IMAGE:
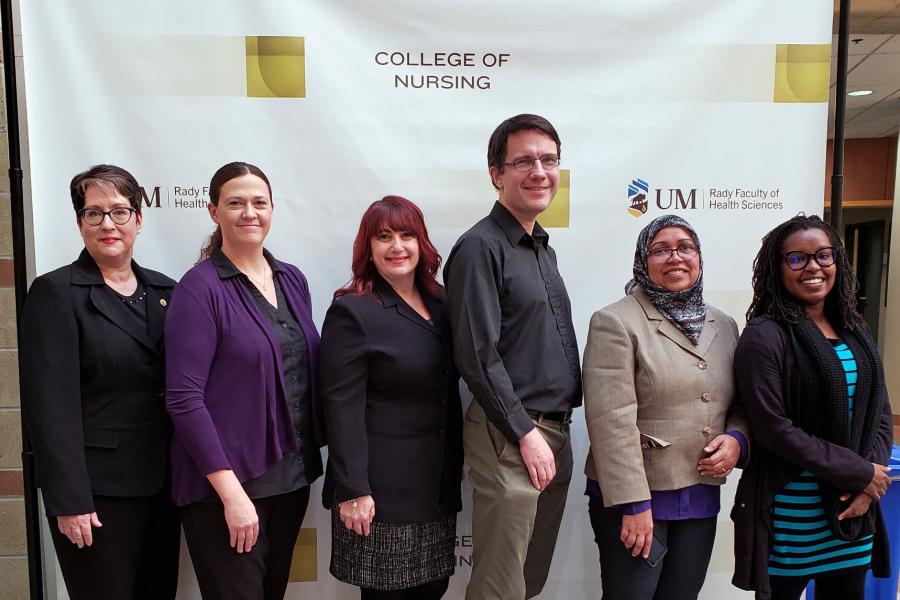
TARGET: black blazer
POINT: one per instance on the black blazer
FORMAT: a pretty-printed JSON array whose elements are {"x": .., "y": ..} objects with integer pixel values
[
  {"x": 393, "y": 417},
  {"x": 93, "y": 388}
]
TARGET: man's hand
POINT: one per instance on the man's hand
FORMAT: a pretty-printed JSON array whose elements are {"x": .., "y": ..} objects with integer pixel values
[{"x": 538, "y": 459}]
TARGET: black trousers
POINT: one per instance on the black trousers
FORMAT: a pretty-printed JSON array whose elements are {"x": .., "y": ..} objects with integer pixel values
[
  {"x": 433, "y": 590},
  {"x": 134, "y": 554},
  {"x": 846, "y": 586},
  {"x": 680, "y": 574},
  {"x": 262, "y": 573}
]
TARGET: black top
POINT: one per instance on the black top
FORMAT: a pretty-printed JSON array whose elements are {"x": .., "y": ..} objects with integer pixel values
[
  {"x": 135, "y": 305},
  {"x": 299, "y": 469},
  {"x": 92, "y": 379},
  {"x": 392, "y": 409},
  {"x": 513, "y": 337}
]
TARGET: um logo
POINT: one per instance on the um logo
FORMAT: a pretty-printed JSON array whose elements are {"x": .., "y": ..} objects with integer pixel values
[
  {"x": 151, "y": 201},
  {"x": 637, "y": 197},
  {"x": 667, "y": 199},
  {"x": 676, "y": 199}
]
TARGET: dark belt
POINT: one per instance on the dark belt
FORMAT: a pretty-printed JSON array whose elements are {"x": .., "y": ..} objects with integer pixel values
[{"x": 556, "y": 417}]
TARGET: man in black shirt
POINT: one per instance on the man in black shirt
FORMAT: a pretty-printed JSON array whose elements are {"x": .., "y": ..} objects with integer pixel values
[{"x": 515, "y": 347}]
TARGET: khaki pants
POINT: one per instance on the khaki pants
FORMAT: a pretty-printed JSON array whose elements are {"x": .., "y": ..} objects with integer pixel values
[{"x": 514, "y": 526}]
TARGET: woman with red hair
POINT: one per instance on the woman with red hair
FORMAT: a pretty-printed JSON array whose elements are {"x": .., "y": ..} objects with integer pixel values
[{"x": 392, "y": 411}]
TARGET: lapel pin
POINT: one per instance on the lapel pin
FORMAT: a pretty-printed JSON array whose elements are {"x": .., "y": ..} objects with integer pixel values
[{"x": 162, "y": 301}]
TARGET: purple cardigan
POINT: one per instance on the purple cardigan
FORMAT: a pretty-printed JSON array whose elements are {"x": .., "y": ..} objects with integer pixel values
[{"x": 224, "y": 378}]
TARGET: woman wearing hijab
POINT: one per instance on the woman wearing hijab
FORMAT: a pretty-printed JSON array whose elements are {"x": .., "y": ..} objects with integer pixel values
[
  {"x": 809, "y": 374},
  {"x": 664, "y": 429}
]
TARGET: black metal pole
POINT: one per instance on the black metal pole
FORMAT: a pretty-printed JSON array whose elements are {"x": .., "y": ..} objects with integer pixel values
[
  {"x": 32, "y": 518},
  {"x": 840, "y": 105}
]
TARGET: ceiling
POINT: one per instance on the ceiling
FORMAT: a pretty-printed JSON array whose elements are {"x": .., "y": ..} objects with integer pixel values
[{"x": 873, "y": 64}]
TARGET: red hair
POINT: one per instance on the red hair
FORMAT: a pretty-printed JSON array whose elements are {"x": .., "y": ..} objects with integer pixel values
[{"x": 397, "y": 214}]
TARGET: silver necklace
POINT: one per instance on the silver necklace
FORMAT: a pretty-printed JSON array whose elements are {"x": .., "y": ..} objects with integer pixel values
[
  {"x": 130, "y": 300},
  {"x": 260, "y": 284}
]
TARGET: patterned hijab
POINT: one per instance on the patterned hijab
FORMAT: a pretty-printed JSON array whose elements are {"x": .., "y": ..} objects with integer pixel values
[{"x": 685, "y": 309}]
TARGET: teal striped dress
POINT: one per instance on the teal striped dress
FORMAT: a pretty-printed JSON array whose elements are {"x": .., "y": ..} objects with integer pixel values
[{"x": 803, "y": 544}]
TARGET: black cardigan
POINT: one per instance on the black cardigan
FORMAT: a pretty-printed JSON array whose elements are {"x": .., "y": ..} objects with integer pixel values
[{"x": 768, "y": 380}]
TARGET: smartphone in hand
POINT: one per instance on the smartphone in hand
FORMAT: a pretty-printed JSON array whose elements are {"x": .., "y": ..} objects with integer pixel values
[{"x": 657, "y": 552}]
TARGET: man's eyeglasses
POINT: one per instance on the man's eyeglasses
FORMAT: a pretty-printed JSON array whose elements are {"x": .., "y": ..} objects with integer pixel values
[
  {"x": 798, "y": 259},
  {"x": 661, "y": 254},
  {"x": 525, "y": 164},
  {"x": 94, "y": 216}
]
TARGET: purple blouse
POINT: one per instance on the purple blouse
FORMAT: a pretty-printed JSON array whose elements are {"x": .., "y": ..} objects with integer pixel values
[{"x": 699, "y": 501}]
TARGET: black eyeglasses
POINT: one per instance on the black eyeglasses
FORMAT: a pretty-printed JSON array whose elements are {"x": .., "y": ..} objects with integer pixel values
[
  {"x": 686, "y": 251},
  {"x": 525, "y": 164},
  {"x": 94, "y": 216},
  {"x": 798, "y": 259}
]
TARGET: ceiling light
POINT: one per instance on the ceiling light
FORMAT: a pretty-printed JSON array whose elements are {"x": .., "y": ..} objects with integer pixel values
[{"x": 860, "y": 93}]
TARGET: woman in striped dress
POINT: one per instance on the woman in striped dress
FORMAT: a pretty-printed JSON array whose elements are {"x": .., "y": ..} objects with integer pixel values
[{"x": 812, "y": 383}]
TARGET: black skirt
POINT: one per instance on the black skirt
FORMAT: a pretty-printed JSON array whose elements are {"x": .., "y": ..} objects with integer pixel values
[{"x": 394, "y": 556}]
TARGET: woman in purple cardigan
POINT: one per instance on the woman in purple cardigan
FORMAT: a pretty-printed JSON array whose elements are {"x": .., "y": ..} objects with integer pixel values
[{"x": 241, "y": 389}]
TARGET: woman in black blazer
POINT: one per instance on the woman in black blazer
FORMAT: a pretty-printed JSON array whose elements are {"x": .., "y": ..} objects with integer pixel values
[
  {"x": 393, "y": 415},
  {"x": 92, "y": 358},
  {"x": 812, "y": 382}
]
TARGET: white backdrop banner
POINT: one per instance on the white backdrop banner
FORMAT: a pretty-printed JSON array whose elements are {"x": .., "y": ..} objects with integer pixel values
[{"x": 712, "y": 109}]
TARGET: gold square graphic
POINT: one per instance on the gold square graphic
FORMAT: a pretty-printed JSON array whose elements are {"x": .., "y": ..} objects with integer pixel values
[
  {"x": 557, "y": 215},
  {"x": 802, "y": 72},
  {"x": 276, "y": 66},
  {"x": 304, "y": 564}
]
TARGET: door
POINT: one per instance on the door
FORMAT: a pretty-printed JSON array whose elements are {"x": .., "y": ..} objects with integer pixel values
[{"x": 865, "y": 245}]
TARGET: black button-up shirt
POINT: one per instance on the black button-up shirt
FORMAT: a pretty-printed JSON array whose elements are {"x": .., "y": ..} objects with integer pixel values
[
  {"x": 513, "y": 338},
  {"x": 293, "y": 471}
]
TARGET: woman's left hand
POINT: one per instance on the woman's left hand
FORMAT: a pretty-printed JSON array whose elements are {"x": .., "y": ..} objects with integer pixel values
[
  {"x": 724, "y": 452},
  {"x": 857, "y": 508}
]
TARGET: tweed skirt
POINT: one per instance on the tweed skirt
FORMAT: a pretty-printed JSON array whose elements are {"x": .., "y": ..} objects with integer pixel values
[{"x": 394, "y": 556}]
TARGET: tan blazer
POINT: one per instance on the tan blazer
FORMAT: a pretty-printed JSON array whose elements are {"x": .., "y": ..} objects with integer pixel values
[{"x": 643, "y": 376}]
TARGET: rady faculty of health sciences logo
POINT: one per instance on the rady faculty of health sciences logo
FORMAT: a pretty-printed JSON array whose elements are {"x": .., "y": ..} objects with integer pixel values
[
  {"x": 712, "y": 198},
  {"x": 637, "y": 197}
]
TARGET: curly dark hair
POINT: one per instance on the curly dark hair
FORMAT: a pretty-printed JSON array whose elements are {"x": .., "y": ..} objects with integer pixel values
[{"x": 770, "y": 299}]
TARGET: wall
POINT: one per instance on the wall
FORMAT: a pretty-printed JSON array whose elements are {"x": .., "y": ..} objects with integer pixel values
[
  {"x": 869, "y": 165},
  {"x": 892, "y": 320},
  {"x": 13, "y": 564}
]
